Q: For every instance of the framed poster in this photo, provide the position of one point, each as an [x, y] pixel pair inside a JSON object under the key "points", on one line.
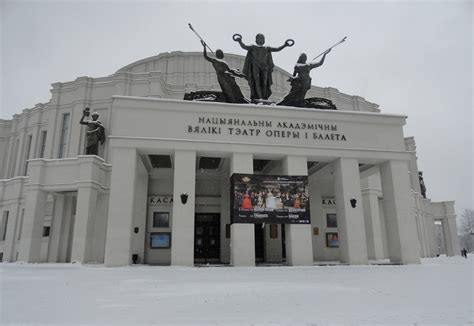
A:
{"points": [[273, 199], [332, 240], [160, 240], [331, 220], [161, 219]]}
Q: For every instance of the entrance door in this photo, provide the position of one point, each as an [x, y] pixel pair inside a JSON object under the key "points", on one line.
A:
{"points": [[207, 246], [259, 243]]}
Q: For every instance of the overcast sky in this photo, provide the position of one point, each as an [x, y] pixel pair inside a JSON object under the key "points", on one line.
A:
{"points": [[412, 58]]}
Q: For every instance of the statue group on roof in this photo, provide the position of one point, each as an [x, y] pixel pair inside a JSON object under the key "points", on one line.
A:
{"points": [[257, 70]]}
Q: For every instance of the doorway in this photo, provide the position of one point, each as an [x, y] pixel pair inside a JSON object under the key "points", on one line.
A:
{"points": [[259, 243], [207, 248]]}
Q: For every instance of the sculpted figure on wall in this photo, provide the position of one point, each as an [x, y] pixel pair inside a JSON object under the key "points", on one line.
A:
{"points": [[258, 65], [95, 132], [301, 81], [226, 77], [422, 184]]}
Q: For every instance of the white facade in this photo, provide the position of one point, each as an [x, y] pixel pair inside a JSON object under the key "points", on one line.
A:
{"points": [[58, 205]]}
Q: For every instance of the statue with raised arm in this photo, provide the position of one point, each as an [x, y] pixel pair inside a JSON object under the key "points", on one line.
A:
{"points": [[301, 81], [422, 184], [226, 77], [258, 66], [95, 132]]}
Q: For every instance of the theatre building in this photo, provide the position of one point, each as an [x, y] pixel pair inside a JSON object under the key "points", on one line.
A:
{"points": [[185, 182]]}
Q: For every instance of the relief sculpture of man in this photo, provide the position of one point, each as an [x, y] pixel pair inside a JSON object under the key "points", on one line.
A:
{"points": [[258, 66], [95, 132]]}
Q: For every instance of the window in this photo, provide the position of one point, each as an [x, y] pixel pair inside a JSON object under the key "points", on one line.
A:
{"points": [[13, 159], [64, 135], [331, 220], [46, 230], [160, 161], [27, 153], [44, 133], [4, 225], [161, 219], [160, 240]]}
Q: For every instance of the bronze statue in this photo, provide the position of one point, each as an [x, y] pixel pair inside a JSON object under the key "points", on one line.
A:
{"points": [[422, 184], [258, 66], [225, 77], [301, 81], [95, 132]]}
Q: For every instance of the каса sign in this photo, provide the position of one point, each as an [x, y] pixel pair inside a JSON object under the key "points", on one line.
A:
{"points": [[159, 200]]}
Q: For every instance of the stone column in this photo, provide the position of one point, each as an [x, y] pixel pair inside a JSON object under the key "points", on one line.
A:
{"points": [[83, 225], [317, 219], [384, 228], [454, 244], [350, 220], [403, 244], [453, 229], [118, 244], [428, 219], [225, 219], [298, 237], [447, 238], [242, 235], [56, 226], [12, 224], [32, 230], [140, 215], [182, 224], [373, 230], [420, 223]]}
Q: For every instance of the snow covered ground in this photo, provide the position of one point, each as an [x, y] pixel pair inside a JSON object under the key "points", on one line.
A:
{"points": [[439, 291]]}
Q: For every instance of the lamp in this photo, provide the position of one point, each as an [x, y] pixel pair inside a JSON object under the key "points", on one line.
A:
{"points": [[353, 202], [184, 198]]}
